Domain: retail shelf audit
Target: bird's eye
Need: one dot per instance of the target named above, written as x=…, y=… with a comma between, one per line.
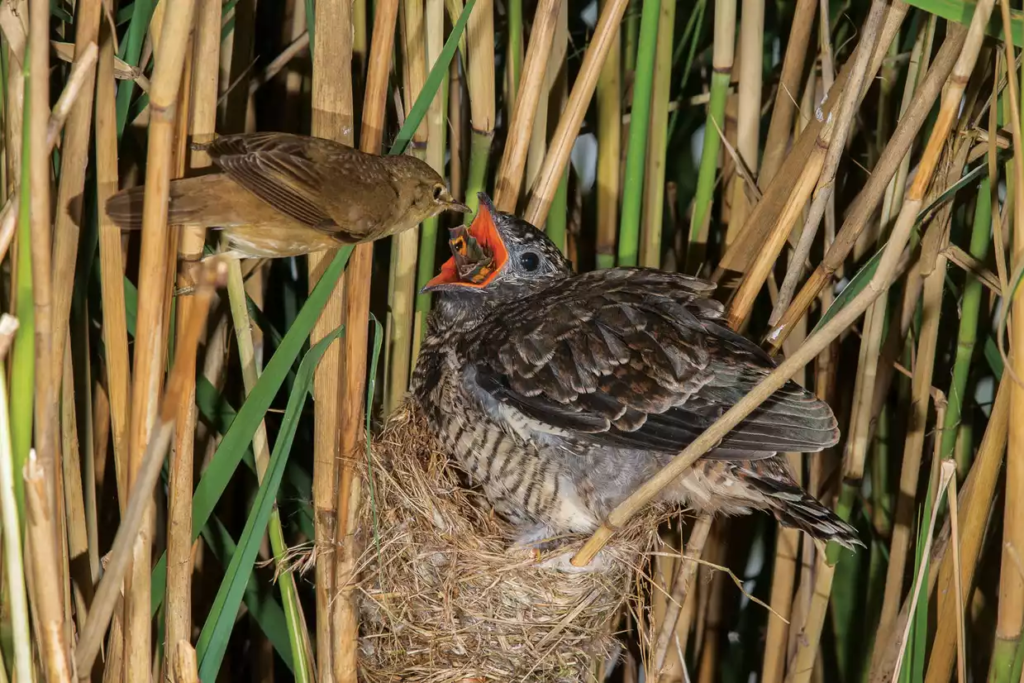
x=529, y=261
x=438, y=191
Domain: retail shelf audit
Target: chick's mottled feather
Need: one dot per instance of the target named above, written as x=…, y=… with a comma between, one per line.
x=635, y=358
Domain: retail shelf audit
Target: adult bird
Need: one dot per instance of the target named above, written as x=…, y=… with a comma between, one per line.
x=279, y=194
x=560, y=394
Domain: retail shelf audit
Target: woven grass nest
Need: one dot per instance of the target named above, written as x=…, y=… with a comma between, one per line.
x=444, y=596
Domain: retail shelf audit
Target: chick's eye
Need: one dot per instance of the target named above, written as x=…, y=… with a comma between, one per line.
x=438, y=190
x=529, y=261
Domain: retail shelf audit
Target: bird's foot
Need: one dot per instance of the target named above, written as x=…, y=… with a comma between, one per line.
x=542, y=539
x=537, y=537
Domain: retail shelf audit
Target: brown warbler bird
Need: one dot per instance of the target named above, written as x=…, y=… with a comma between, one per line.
x=279, y=194
x=560, y=394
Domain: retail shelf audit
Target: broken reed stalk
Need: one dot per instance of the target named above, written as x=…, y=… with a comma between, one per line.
x=976, y=499
x=818, y=174
x=721, y=73
x=480, y=85
x=178, y=592
x=115, y=327
x=344, y=612
x=857, y=439
x=657, y=142
x=609, y=150
x=687, y=568
x=509, y=179
x=605, y=33
x=746, y=247
x=404, y=246
x=864, y=206
x=785, y=107
x=125, y=543
x=1010, y=618
x=748, y=124
x=333, y=116
x=817, y=341
x=48, y=603
x=150, y=339
x=823, y=193
x=14, y=567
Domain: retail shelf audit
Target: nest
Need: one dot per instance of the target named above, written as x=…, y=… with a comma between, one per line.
x=444, y=596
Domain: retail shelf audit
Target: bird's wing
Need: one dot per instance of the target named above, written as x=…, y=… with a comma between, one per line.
x=633, y=358
x=303, y=177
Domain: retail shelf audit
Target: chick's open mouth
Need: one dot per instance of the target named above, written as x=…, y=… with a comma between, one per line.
x=478, y=253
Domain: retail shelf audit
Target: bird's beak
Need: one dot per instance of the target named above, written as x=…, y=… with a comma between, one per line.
x=458, y=206
x=485, y=236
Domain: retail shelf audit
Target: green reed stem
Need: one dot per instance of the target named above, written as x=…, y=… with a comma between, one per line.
x=968, y=334
x=639, y=123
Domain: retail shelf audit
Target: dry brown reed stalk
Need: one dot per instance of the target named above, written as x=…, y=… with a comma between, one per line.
x=553, y=81
x=817, y=342
x=787, y=96
x=605, y=33
x=333, y=118
x=431, y=611
x=115, y=330
x=976, y=499
x=864, y=206
x=818, y=174
x=178, y=598
x=435, y=153
x=11, y=23
x=1010, y=618
x=39, y=534
x=405, y=245
x=344, y=616
x=282, y=60
x=748, y=123
x=509, y=179
x=46, y=396
x=680, y=591
x=609, y=149
x=124, y=549
x=74, y=159
x=150, y=338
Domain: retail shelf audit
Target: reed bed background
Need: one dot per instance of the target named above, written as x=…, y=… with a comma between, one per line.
x=179, y=475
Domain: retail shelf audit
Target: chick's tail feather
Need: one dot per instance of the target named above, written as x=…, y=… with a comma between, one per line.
x=795, y=508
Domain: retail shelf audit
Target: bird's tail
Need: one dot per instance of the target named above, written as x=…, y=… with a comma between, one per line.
x=795, y=508
x=201, y=200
